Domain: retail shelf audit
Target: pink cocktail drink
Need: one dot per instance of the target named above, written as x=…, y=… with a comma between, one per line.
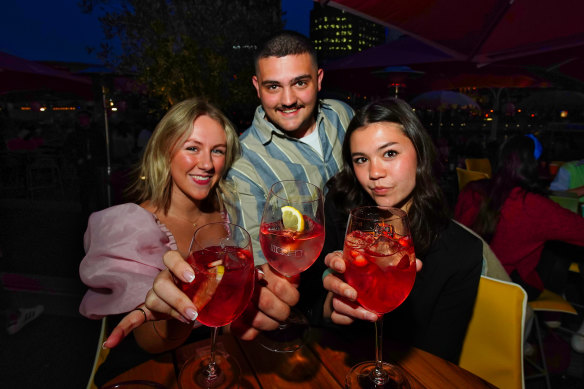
x=290, y=252
x=382, y=269
x=224, y=279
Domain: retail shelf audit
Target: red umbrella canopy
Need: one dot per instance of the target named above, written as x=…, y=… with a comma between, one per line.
x=19, y=74
x=404, y=50
x=479, y=31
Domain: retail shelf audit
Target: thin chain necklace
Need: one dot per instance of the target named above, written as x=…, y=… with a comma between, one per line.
x=194, y=223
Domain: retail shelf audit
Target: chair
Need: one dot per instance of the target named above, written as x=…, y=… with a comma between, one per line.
x=493, y=346
x=479, y=165
x=548, y=301
x=465, y=176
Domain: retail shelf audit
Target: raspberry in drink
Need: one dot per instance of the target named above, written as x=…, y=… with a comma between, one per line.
x=382, y=269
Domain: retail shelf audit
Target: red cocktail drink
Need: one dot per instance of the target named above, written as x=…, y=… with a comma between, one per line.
x=223, y=283
x=382, y=269
x=291, y=252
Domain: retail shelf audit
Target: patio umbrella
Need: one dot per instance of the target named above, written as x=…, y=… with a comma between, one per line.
x=488, y=80
x=483, y=31
x=19, y=74
x=441, y=100
x=402, y=51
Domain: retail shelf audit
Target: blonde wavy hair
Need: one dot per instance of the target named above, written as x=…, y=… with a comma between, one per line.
x=153, y=180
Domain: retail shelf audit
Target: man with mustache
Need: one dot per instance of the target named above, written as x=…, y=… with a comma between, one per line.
x=294, y=136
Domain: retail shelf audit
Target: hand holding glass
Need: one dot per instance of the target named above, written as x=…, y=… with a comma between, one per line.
x=292, y=237
x=222, y=260
x=381, y=267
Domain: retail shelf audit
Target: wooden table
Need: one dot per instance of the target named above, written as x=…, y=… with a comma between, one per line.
x=322, y=363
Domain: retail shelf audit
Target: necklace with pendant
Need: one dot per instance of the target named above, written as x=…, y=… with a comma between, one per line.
x=194, y=223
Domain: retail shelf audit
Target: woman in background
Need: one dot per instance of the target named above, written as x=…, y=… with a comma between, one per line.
x=512, y=213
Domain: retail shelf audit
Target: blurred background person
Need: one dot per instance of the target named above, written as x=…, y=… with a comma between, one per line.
x=512, y=213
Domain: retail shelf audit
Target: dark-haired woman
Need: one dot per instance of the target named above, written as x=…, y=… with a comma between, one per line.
x=512, y=213
x=388, y=160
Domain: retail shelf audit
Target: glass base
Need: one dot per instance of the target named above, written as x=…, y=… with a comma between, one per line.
x=289, y=336
x=363, y=376
x=195, y=373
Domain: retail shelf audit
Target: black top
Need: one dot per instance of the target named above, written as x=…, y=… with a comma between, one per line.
x=436, y=314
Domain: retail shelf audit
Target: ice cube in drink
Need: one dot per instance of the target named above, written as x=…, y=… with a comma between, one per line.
x=382, y=273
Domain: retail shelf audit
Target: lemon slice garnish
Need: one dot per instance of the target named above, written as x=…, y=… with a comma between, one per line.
x=220, y=272
x=292, y=219
x=209, y=285
x=218, y=268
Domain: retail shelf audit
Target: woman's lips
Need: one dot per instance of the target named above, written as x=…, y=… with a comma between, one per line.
x=201, y=180
x=380, y=190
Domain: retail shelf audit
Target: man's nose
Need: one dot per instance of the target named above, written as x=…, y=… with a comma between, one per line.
x=288, y=97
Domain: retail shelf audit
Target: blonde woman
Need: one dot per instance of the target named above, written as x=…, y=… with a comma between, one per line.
x=179, y=185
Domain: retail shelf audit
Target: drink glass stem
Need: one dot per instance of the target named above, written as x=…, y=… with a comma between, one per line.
x=379, y=375
x=212, y=372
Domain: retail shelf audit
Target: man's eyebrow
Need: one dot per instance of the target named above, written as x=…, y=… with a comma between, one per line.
x=270, y=82
x=301, y=78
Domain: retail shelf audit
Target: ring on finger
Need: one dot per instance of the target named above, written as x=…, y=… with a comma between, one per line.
x=143, y=312
x=327, y=272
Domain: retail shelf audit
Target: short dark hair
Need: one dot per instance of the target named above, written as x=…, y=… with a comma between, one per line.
x=428, y=213
x=285, y=43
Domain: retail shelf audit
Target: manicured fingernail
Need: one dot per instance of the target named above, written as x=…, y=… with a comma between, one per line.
x=191, y=314
x=189, y=276
x=350, y=294
x=103, y=347
x=370, y=316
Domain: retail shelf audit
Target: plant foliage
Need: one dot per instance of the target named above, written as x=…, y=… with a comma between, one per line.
x=185, y=48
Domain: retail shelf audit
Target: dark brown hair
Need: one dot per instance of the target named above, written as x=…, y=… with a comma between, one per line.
x=428, y=212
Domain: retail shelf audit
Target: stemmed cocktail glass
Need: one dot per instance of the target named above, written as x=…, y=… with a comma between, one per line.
x=381, y=267
x=292, y=237
x=222, y=260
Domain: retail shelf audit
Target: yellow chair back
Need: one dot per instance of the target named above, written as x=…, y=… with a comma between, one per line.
x=466, y=176
x=479, y=165
x=493, y=347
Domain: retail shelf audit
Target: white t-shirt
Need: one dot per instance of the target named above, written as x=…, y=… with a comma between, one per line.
x=313, y=140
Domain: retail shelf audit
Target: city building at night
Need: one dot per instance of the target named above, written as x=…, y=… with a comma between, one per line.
x=336, y=33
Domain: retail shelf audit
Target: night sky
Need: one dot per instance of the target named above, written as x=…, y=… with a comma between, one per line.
x=58, y=30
